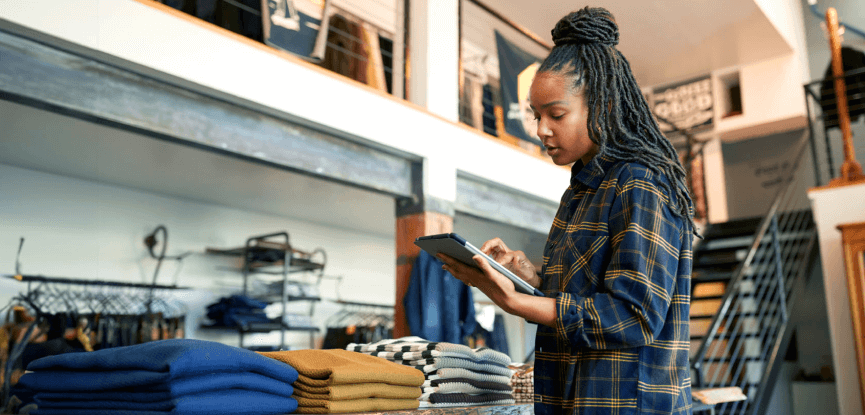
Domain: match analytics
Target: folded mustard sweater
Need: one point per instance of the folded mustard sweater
(315, 406)
(358, 391)
(342, 367)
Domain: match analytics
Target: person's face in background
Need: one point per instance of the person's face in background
(562, 118)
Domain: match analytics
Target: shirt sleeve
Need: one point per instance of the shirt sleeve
(640, 279)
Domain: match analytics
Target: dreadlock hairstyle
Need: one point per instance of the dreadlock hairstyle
(619, 120)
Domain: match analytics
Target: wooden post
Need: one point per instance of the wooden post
(408, 228)
(851, 170)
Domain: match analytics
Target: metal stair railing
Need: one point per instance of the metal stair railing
(751, 331)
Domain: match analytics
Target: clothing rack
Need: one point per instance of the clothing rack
(80, 314)
(46, 295)
(73, 281)
(273, 254)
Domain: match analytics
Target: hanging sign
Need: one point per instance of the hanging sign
(516, 71)
(687, 105)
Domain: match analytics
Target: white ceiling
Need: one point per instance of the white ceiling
(668, 40)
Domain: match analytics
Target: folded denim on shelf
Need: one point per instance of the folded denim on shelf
(217, 402)
(147, 365)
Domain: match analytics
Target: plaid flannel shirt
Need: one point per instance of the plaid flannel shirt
(618, 263)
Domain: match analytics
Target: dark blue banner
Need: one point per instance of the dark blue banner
(287, 28)
(516, 70)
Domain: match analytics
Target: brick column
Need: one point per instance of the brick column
(410, 224)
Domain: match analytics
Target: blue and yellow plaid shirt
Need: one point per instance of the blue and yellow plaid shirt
(618, 262)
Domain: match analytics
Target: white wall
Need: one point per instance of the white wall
(832, 207)
(145, 35)
(82, 229)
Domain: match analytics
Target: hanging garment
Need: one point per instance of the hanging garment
(438, 307)
(851, 59)
(496, 339)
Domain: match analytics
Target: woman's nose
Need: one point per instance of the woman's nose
(543, 129)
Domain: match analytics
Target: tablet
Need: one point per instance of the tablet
(455, 246)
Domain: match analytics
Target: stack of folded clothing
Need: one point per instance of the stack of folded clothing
(340, 381)
(455, 374)
(168, 376)
(239, 311)
(523, 382)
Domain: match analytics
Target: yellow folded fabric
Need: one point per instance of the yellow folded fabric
(318, 406)
(344, 367)
(358, 391)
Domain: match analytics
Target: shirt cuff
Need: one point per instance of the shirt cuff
(568, 315)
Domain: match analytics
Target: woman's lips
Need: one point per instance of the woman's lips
(552, 150)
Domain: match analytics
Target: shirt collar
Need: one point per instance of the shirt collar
(583, 173)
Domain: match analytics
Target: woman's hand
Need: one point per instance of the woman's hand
(515, 261)
(496, 286)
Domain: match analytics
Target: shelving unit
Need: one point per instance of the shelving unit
(272, 254)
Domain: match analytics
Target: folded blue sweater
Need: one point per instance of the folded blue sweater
(176, 388)
(235, 402)
(147, 365)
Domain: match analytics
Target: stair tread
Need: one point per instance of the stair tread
(727, 359)
(706, 297)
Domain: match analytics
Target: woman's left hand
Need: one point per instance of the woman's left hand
(496, 286)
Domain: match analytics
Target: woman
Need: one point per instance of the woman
(613, 327)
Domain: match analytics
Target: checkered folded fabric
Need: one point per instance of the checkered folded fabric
(456, 373)
(431, 365)
(415, 348)
(467, 386)
(444, 400)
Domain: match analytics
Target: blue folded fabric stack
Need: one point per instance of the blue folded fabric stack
(237, 310)
(178, 376)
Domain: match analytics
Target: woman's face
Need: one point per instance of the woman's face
(562, 118)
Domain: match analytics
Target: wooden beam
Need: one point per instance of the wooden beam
(492, 201)
(42, 75)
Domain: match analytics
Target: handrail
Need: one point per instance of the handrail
(760, 311)
(813, 7)
(739, 273)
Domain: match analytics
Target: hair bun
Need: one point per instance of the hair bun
(590, 25)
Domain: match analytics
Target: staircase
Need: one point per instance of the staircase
(747, 276)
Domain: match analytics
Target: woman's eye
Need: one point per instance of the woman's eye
(557, 116)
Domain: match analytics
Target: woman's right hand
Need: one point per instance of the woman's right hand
(514, 261)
